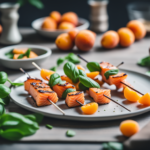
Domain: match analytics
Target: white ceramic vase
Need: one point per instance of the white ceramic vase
(10, 16)
(98, 15)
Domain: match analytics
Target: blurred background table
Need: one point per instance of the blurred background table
(88, 134)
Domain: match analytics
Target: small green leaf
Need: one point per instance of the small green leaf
(115, 145)
(37, 3)
(111, 72)
(3, 77)
(2, 109)
(54, 68)
(70, 133)
(82, 87)
(15, 84)
(60, 61)
(148, 73)
(64, 95)
(73, 58)
(93, 66)
(21, 2)
(6, 100)
(39, 117)
(28, 53)
(10, 54)
(4, 91)
(82, 73)
(49, 126)
(20, 56)
(2, 102)
(145, 62)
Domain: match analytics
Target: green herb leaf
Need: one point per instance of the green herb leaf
(64, 95)
(20, 56)
(49, 126)
(145, 62)
(93, 66)
(82, 73)
(88, 82)
(112, 146)
(73, 58)
(4, 91)
(54, 68)
(71, 71)
(2, 109)
(37, 3)
(111, 72)
(38, 117)
(10, 54)
(15, 84)
(70, 133)
(6, 100)
(21, 2)
(3, 77)
(60, 61)
(82, 87)
(148, 73)
(2, 102)
(28, 53)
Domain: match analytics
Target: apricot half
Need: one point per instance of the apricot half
(137, 28)
(56, 16)
(79, 67)
(90, 108)
(126, 37)
(145, 99)
(92, 75)
(65, 26)
(46, 73)
(64, 42)
(110, 39)
(129, 127)
(131, 95)
(49, 24)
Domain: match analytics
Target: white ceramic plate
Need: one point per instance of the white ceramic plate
(36, 25)
(42, 52)
(110, 111)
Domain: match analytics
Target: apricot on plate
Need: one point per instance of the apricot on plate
(73, 33)
(85, 40)
(129, 127)
(1, 29)
(110, 39)
(90, 108)
(65, 26)
(131, 95)
(67, 79)
(49, 24)
(145, 99)
(56, 16)
(126, 37)
(137, 28)
(19, 51)
(46, 73)
(70, 17)
(92, 75)
(64, 42)
(80, 67)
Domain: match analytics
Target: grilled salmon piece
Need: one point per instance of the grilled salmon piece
(41, 92)
(29, 81)
(59, 88)
(98, 95)
(116, 79)
(73, 96)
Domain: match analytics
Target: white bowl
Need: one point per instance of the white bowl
(36, 24)
(41, 51)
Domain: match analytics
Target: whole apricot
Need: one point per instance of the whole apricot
(1, 29)
(64, 42)
(56, 16)
(126, 37)
(129, 127)
(70, 17)
(137, 28)
(49, 24)
(110, 39)
(65, 26)
(73, 33)
(85, 40)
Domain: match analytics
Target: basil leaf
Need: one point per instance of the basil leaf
(145, 62)
(111, 72)
(82, 87)
(70, 133)
(6, 100)
(93, 66)
(14, 84)
(4, 91)
(49, 126)
(71, 71)
(20, 56)
(148, 73)
(2, 109)
(38, 117)
(3, 77)
(10, 54)
(38, 4)
(60, 61)
(82, 73)
(115, 145)
(2, 102)
(88, 82)
(27, 53)
(64, 95)
(54, 68)
(73, 58)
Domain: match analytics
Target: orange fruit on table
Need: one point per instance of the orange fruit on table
(110, 39)
(137, 28)
(49, 24)
(64, 42)
(1, 29)
(129, 127)
(73, 33)
(46, 73)
(65, 26)
(126, 37)
(85, 40)
(56, 16)
(90, 108)
(145, 99)
(70, 17)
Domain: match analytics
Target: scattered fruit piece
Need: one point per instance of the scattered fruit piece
(90, 108)
(92, 75)
(145, 99)
(70, 133)
(129, 127)
(49, 24)
(56, 16)
(65, 26)
(46, 73)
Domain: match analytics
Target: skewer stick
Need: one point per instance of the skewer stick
(25, 72)
(132, 88)
(56, 106)
(82, 58)
(120, 64)
(117, 103)
(34, 64)
(79, 103)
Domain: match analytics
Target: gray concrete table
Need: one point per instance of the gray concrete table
(87, 132)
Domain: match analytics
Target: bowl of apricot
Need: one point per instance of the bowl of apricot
(56, 24)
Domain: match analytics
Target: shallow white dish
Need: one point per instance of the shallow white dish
(36, 24)
(42, 52)
(110, 111)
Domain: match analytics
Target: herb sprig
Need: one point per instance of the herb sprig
(27, 53)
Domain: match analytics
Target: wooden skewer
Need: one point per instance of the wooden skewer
(34, 64)
(120, 64)
(25, 72)
(82, 58)
(117, 102)
(79, 103)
